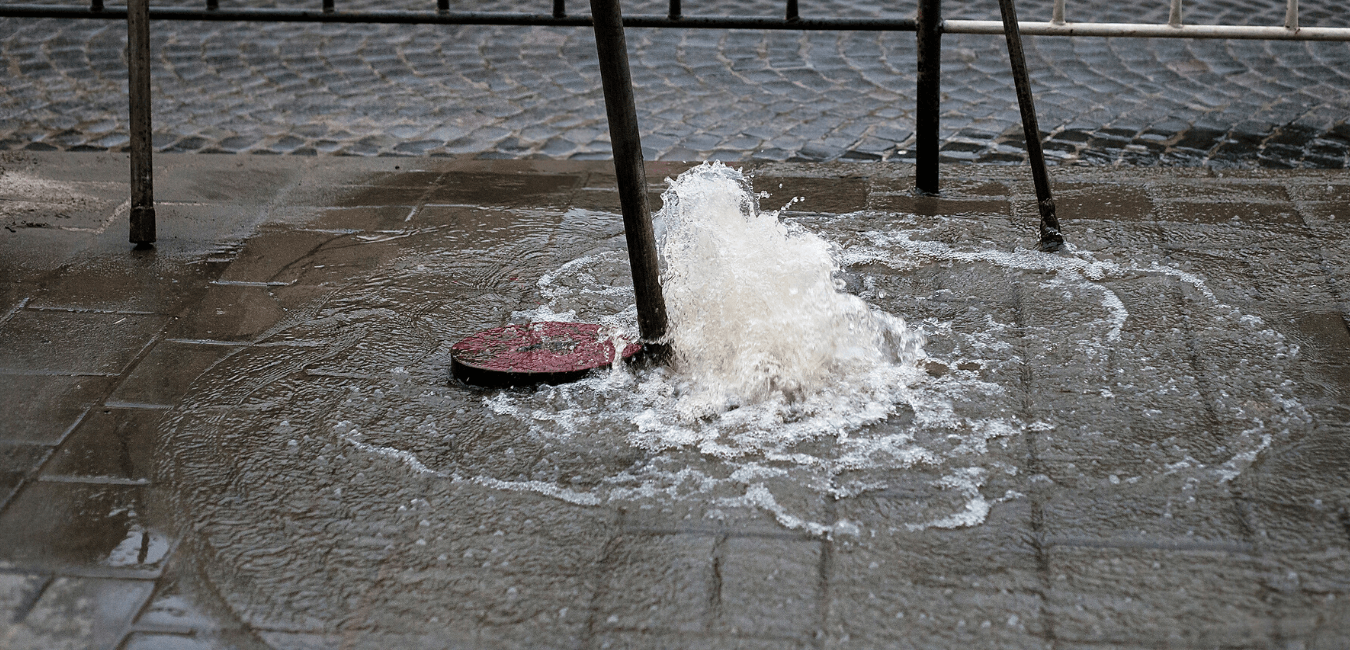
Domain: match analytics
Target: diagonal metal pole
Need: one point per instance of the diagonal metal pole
(1051, 239)
(138, 92)
(621, 109)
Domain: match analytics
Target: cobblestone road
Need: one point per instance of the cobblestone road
(535, 92)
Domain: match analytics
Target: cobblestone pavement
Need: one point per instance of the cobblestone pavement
(248, 438)
(534, 92)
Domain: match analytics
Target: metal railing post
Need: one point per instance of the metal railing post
(1174, 15)
(929, 96)
(674, 13)
(138, 91)
(791, 12)
(1291, 15)
(621, 109)
(559, 8)
(1051, 239)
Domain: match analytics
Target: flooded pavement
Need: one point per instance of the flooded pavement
(249, 436)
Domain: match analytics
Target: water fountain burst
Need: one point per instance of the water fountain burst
(756, 312)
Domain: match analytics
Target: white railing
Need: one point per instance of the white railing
(1174, 28)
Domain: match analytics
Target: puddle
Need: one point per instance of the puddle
(943, 359)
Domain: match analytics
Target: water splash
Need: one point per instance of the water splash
(756, 313)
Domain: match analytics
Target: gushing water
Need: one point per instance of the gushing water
(756, 313)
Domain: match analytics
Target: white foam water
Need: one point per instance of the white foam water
(756, 315)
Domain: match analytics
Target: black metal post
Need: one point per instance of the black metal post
(559, 8)
(621, 109)
(1051, 239)
(674, 10)
(95, 5)
(929, 96)
(792, 13)
(212, 5)
(138, 90)
(443, 6)
(328, 6)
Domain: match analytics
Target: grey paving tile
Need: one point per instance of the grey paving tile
(111, 443)
(81, 529)
(140, 282)
(176, 607)
(165, 373)
(263, 259)
(150, 641)
(41, 249)
(1266, 528)
(927, 617)
(18, 593)
(79, 613)
(75, 342)
(46, 408)
(1132, 596)
(300, 640)
(844, 195)
(699, 642)
(19, 463)
(665, 583)
(769, 586)
(240, 314)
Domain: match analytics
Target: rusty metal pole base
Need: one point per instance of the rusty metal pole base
(143, 227)
(1051, 239)
(1052, 244)
(548, 352)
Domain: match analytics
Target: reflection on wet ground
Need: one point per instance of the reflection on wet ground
(250, 437)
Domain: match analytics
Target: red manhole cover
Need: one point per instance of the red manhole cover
(519, 355)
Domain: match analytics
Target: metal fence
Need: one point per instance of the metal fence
(791, 20)
(927, 24)
(1175, 28)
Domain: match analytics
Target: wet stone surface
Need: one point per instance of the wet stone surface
(496, 92)
(1139, 442)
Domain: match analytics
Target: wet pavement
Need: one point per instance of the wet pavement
(249, 438)
(498, 92)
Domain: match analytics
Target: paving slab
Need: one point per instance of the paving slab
(48, 407)
(79, 613)
(52, 341)
(110, 444)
